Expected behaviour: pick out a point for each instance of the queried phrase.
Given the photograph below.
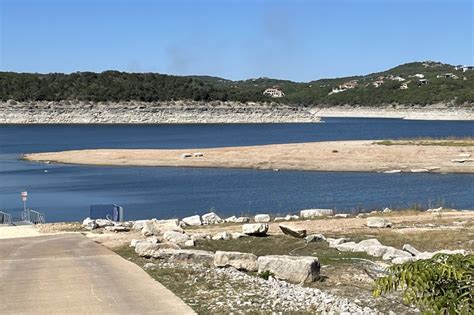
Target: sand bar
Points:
(362, 156)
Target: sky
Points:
(286, 39)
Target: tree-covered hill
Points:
(122, 86)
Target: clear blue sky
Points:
(293, 39)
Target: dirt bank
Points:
(363, 156)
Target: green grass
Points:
(283, 245)
(450, 142)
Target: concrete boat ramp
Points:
(70, 274)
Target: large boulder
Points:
(176, 237)
(89, 224)
(393, 252)
(262, 218)
(315, 238)
(138, 225)
(222, 236)
(157, 227)
(200, 237)
(346, 247)
(378, 222)
(102, 223)
(377, 250)
(151, 250)
(292, 230)
(333, 242)
(231, 219)
(363, 245)
(412, 250)
(314, 213)
(187, 255)
(211, 218)
(242, 220)
(240, 261)
(194, 220)
(297, 269)
(257, 229)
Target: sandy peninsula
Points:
(357, 156)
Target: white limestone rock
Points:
(298, 269)
(262, 218)
(194, 220)
(314, 213)
(176, 237)
(240, 261)
(378, 222)
(256, 229)
(211, 218)
(222, 236)
(89, 224)
(292, 230)
(410, 249)
(315, 238)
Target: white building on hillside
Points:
(274, 92)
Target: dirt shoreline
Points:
(344, 156)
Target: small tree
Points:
(440, 285)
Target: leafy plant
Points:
(266, 274)
(440, 285)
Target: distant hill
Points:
(373, 89)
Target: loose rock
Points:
(240, 261)
(256, 229)
(293, 231)
(314, 213)
(194, 220)
(377, 222)
(262, 218)
(291, 268)
(211, 218)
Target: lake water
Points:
(64, 192)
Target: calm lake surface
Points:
(64, 192)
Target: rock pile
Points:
(374, 248)
(108, 225)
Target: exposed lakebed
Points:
(64, 192)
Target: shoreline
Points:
(190, 112)
(336, 156)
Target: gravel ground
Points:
(229, 290)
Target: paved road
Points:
(70, 274)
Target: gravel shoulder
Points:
(357, 156)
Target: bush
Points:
(266, 274)
(440, 285)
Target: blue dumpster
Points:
(106, 211)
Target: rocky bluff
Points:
(135, 112)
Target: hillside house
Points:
(458, 67)
(377, 83)
(419, 75)
(273, 92)
(447, 76)
(344, 87)
(349, 85)
(467, 68)
(422, 82)
(397, 78)
(404, 86)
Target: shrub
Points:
(440, 285)
(266, 274)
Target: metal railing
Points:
(5, 218)
(33, 216)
